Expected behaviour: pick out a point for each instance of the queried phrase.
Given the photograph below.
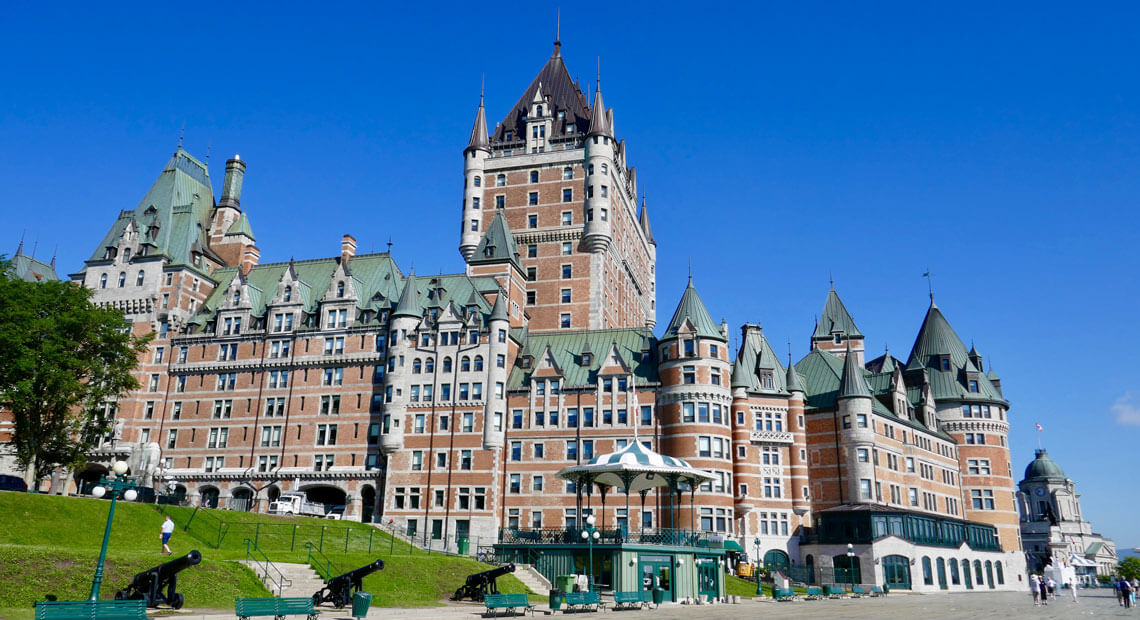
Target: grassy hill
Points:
(50, 544)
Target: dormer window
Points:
(587, 359)
(126, 254)
(690, 348)
(340, 289)
(562, 115)
(944, 363)
(237, 297)
(837, 338)
(766, 382)
(973, 386)
(570, 128)
(525, 361)
(288, 296)
(508, 136)
(538, 111)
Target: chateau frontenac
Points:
(445, 406)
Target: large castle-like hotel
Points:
(446, 405)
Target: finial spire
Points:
(929, 284)
(53, 253)
(389, 244)
(831, 279)
(557, 31)
(181, 134)
(20, 248)
(690, 271)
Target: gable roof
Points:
(835, 318)
(565, 96)
(755, 354)
(31, 269)
(566, 348)
(693, 310)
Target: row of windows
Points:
(123, 277)
(955, 579)
(464, 391)
(588, 419)
(465, 364)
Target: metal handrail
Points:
(325, 568)
(265, 564)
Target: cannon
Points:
(157, 585)
(481, 584)
(340, 589)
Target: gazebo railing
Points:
(609, 536)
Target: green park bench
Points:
(583, 601)
(91, 610)
(877, 591)
(857, 591)
(784, 594)
(813, 593)
(633, 600)
(510, 603)
(245, 608)
(834, 591)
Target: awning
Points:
(732, 545)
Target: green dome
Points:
(1043, 467)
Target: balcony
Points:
(771, 437)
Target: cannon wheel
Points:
(176, 602)
(120, 595)
(340, 601)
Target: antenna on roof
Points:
(20, 248)
(389, 244)
(53, 253)
(209, 146)
(181, 134)
(831, 279)
(35, 246)
(690, 271)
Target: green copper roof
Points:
(497, 244)
(409, 304)
(792, 381)
(937, 339)
(852, 384)
(693, 310)
(32, 269)
(835, 318)
(499, 312)
(174, 215)
(634, 346)
(755, 355)
(241, 227)
(1043, 467)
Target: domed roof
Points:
(1043, 467)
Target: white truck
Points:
(296, 503)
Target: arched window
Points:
(501, 180)
(340, 289)
(966, 579)
(478, 181)
(896, 572)
(978, 572)
(927, 575)
(103, 281)
(478, 363)
(446, 364)
(990, 573)
(538, 112)
(567, 173)
(1000, 573)
(139, 279)
(429, 365)
(590, 169)
(465, 364)
(940, 564)
(955, 578)
(237, 297)
(416, 365)
(288, 293)
(122, 279)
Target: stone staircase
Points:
(532, 579)
(300, 580)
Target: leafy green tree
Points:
(61, 357)
(1129, 568)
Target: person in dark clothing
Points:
(1044, 592)
(1126, 593)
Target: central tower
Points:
(555, 170)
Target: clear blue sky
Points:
(997, 146)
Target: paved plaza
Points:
(970, 605)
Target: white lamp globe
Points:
(597, 535)
(98, 492)
(585, 535)
(590, 520)
(120, 467)
(130, 495)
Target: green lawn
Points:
(50, 545)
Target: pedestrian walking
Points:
(167, 532)
(1051, 585)
(1034, 591)
(1126, 593)
(1073, 587)
(1044, 589)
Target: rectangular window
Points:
(532, 198)
(567, 195)
(564, 320)
(567, 218)
(567, 273)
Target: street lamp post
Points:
(759, 589)
(591, 534)
(112, 483)
(851, 564)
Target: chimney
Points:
(231, 187)
(347, 248)
(249, 258)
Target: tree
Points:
(61, 358)
(1129, 568)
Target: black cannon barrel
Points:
(339, 589)
(494, 573)
(177, 564)
(158, 585)
(360, 573)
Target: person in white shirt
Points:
(167, 532)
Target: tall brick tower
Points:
(554, 168)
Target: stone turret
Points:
(854, 403)
(495, 409)
(600, 179)
(474, 166)
(406, 316)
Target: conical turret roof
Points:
(835, 318)
(693, 309)
(409, 304)
(479, 130)
(499, 312)
(241, 227)
(793, 379)
(643, 219)
(935, 338)
(497, 244)
(553, 83)
(599, 124)
(852, 384)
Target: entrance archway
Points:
(367, 503)
(847, 570)
(273, 493)
(896, 572)
(209, 496)
(89, 477)
(776, 560)
(330, 496)
(241, 498)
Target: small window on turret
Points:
(478, 181)
(837, 338)
(945, 364)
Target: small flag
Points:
(927, 274)
(1039, 428)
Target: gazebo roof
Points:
(636, 468)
